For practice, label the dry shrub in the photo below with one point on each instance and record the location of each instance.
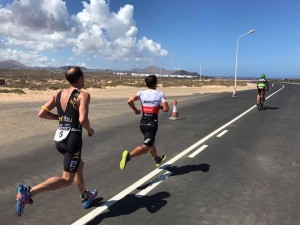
(96, 80)
(15, 90)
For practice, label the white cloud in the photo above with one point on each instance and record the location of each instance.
(151, 46)
(41, 16)
(45, 25)
(30, 58)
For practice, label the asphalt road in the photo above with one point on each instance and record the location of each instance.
(247, 175)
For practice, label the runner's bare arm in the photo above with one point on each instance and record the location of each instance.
(45, 111)
(83, 102)
(165, 107)
(132, 105)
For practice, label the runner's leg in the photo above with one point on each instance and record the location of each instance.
(53, 183)
(263, 95)
(139, 150)
(79, 180)
(258, 99)
(153, 151)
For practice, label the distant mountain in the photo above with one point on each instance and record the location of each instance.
(184, 72)
(152, 69)
(7, 64)
(157, 70)
(147, 70)
(66, 67)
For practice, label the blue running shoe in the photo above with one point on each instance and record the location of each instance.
(23, 197)
(87, 197)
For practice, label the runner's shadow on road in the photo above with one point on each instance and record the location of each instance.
(96, 202)
(178, 170)
(130, 203)
(269, 107)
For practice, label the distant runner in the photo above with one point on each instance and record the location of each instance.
(262, 87)
(72, 106)
(151, 101)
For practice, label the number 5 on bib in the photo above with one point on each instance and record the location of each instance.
(61, 133)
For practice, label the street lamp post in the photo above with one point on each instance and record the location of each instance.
(200, 69)
(160, 73)
(236, 58)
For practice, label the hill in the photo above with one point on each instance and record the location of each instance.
(194, 74)
(152, 69)
(157, 70)
(12, 64)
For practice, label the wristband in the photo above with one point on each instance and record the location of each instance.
(45, 108)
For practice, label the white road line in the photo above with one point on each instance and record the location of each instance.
(91, 215)
(198, 151)
(153, 184)
(275, 92)
(222, 133)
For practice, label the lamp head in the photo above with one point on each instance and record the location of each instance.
(251, 31)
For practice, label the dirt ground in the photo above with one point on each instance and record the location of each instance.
(19, 112)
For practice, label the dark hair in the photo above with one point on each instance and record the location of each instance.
(73, 74)
(151, 81)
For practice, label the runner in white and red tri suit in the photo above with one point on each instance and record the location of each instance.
(152, 101)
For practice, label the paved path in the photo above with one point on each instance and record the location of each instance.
(228, 163)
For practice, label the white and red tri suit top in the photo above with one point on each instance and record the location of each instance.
(150, 100)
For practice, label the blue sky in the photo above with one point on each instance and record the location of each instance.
(172, 34)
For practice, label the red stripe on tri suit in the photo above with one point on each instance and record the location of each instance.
(150, 109)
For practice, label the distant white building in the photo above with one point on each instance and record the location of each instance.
(165, 75)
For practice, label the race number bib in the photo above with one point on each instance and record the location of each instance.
(61, 133)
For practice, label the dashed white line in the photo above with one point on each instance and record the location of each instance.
(91, 215)
(198, 151)
(153, 185)
(222, 133)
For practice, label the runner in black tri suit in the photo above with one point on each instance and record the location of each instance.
(151, 101)
(69, 125)
(72, 112)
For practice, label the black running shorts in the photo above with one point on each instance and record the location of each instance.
(70, 147)
(149, 129)
(259, 90)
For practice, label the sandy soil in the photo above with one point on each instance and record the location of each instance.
(117, 92)
(19, 112)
